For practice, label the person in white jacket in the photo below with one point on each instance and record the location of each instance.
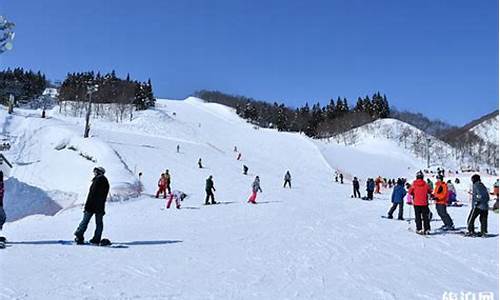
(178, 196)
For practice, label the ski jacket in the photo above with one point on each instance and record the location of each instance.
(162, 182)
(355, 184)
(177, 194)
(209, 185)
(288, 177)
(98, 193)
(441, 193)
(398, 194)
(451, 188)
(370, 185)
(256, 186)
(419, 190)
(480, 196)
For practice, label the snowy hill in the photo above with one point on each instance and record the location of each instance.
(309, 242)
(487, 129)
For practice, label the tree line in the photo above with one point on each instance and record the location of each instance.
(317, 121)
(23, 85)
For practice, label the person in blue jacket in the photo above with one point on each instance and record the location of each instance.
(398, 194)
(370, 187)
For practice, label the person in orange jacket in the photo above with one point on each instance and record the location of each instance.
(162, 186)
(419, 190)
(378, 182)
(441, 196)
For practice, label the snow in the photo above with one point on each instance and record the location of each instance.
(488, 130)
(309, 242)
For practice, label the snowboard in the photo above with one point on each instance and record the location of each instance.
(3, 240)
(488, 235)
(105, 243)
(396, 219)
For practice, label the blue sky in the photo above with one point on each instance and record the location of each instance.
(438, 57)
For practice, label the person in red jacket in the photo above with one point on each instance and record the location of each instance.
(162, 186)
(441, 196)
(420, 191)
(378, 182)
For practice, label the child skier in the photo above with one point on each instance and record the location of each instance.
(178, 196)
(162, 186)
(255, 188)
(398, 194)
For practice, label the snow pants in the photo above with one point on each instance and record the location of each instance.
(99, 225)
(252, 198)
(393, 208)
(162, 190)
(422, 215)
(443, 214)
(289, 183)
(483, 218)
(356, 192)
(210, 196)
(369, 195)
(169, 201)
(2, 217)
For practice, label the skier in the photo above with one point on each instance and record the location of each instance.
(398, 194)
(209, 189)
(94, 205)
(162, 186)
(378, 182)
(255, 188)
(178, 148)
(480, 199)
(336, 176)
(341, 178)
(245, 170)
(199, 164)
(178, 196)
(495, 193)
(2, 211)
(355, 188)
(441, 196)
(420, 191)
(288, 179)
(370, 186)
(167, 180)
(235, 149)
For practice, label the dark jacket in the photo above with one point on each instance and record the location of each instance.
(1, 193)
(98, 193)
(398, 194)
(480, 196)
(370, 185)
(355, 183)
(209, 186)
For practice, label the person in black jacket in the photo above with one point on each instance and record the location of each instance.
(94, 205)
(209, 189)
(355, 188)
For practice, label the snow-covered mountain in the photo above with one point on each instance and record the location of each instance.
(487, 128)
(310, 242)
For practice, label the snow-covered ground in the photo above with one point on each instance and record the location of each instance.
(309, 242)
(488, 130)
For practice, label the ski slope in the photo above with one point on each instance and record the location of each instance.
(309, 242)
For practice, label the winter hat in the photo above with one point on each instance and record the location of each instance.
(475, 178)
(420, 175)
(99, 170)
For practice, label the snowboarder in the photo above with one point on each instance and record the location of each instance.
(288, 179)
(94, 205)
(199, 164)
(2, 211)
(355, 188)
(255, 188)
(336, 176)
(398, 194)
(419, 190)
(480, 199)
(162, 186)
(341, 178)
(209, 189)
(245, 170)
(167, 180)
(370, 186)
(178, 196)
(178, 148)
(239, 156)
(441, 196)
